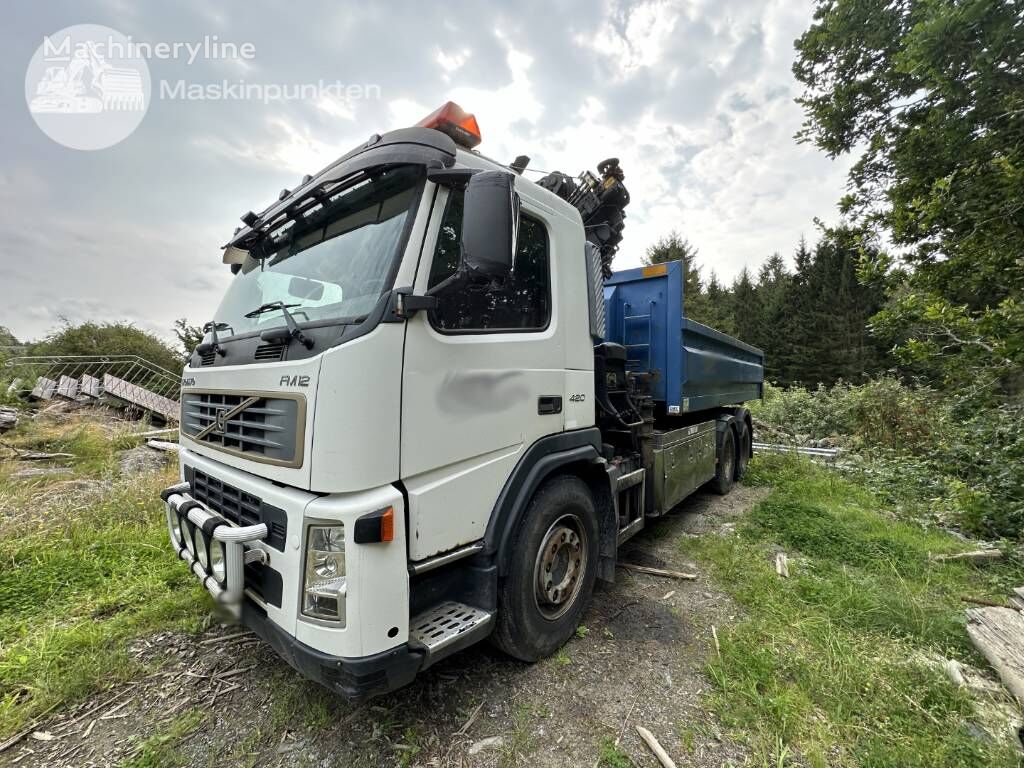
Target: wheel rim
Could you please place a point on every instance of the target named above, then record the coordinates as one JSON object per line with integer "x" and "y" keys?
{"x": 560, "y": 566}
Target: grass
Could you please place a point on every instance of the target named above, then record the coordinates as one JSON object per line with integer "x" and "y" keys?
{"x": 80, "y": 577}
{"x": 831, "y": 664}
{"x": 611, "y": 756}
{"x": 160, "y": 749}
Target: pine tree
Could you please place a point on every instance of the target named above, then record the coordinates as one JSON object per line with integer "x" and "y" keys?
{"x": 675, "y": 247}
{"x": 719, "y": 311}
{"x": 746, "y": 309}
{"x": 774, "y": 286}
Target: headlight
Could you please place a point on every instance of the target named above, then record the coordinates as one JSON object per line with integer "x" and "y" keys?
{"x": 172, "y": 518}
{"x": 186, "y": 535}
{"x": 217, "y": 567}
{"x": 324, "y": 587}
{"x": 202, "y": 547}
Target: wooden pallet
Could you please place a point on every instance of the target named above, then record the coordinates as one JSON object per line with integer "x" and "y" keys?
{"x": 67, "y": 387}
{"x": 141, "y": 397}
{"x": 90, "y": 386}
{"x": 44, "y": 389}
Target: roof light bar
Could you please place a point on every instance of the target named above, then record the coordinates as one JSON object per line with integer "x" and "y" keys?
{"x": 454, "y": 121}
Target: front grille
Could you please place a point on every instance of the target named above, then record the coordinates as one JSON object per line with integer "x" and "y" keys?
{"x": 237, "y": 506}
{"x": 270, "y": 429}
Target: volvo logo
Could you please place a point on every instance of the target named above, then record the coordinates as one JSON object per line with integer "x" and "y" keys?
{"x": 219, "y": 425}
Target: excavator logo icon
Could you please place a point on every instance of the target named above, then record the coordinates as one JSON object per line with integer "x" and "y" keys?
{"x": 88, "y": 84}
{"x": 84, "y": 88}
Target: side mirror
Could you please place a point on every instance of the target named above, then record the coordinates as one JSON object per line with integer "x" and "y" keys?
{"x": 490, "y": 224}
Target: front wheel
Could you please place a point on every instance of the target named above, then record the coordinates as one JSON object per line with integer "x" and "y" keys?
{"x": 552, "y": 570}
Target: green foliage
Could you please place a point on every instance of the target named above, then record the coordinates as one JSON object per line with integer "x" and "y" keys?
{"x": 72, "y": 599}
{"x": 189, "y": 336}
{"x": 881, "y": 412}
{"x": 831, "y": 663}
{"x": 7, "y": 339}
{"x": 931, "y": 93}
{"x": 108, "y": 339}
{"x": 935, "y": 456}
{"x": 76, "y": 588}
{"x": 611, "y": 756}
{"x": 981, "y": 351}
{"x": 9, "y": 347}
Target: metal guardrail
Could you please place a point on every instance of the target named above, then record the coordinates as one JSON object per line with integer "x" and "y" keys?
{"x": 828, "y": 454}
{"x": 130, "y": 368}
{"x": 130, "y": 378}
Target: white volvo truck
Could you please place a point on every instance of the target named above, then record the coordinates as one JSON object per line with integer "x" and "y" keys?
{"x": 427, "y": 412}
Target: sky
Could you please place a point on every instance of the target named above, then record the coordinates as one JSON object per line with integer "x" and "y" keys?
{"x": 695, "y": 97}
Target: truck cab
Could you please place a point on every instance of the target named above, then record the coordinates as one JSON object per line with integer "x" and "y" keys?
{"x": 408, "y": 428}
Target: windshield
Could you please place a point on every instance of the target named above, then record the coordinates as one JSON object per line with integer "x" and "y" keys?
{"x": 332, "y": 264}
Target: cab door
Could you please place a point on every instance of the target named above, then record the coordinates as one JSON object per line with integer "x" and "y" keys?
{"x": 483, "y": 379}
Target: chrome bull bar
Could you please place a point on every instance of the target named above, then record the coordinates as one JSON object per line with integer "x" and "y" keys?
{"x": 210, "y": 530}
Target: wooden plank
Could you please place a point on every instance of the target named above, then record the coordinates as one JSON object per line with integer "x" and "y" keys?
{"x": 90, "y": 385}
{"x": 163, "y": 445}
{"x": 975, "y": 556}
{"x": 655, "y": 746}
{"x": 67, "y": 387}
{"x": 657, "y": 571}
{"x": 999, "y": 634}
{"x": 141, "y": 397}
{"x": 44, "y": 389}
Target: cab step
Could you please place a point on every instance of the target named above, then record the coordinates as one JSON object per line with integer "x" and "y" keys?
{"x": 448, "y": 627}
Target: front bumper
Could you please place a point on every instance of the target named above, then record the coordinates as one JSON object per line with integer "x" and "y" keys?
{"x": 366, "y": 654}
{"x": 357, "y": 678}
{"x": 216, "y": 531}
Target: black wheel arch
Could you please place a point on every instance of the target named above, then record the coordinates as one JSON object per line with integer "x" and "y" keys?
{"x": 578, "y": 453}
{"x": 735, "y": 418}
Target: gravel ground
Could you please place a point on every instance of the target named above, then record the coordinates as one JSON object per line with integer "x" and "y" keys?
{"x": 638, "y": 661}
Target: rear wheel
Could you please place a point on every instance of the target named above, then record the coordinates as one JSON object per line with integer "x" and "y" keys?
{"x": 725, "y": 469}
{"x": 743, "y": 450}
{"x": 551, "y": 571}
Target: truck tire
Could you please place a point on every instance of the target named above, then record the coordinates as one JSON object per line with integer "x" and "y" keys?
{"x": 743, "y": 449}
{"x": 552, "y": 568}
{"x": 725, "y": 466}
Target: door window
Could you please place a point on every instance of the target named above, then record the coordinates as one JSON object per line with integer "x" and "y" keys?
{"x": 521, "y": 302}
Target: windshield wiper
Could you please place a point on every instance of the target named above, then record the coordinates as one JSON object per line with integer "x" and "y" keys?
{"x": 291, "y": 329}
{"x": 214, "y": 343}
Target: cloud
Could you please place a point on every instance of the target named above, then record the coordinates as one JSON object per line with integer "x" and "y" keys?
{"x": 695, "y": 98}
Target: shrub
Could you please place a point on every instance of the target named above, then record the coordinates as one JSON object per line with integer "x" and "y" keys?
{"x": 108, "y": 339}
{"x": 937, "y": 455}
{"x": 881, "y": 412}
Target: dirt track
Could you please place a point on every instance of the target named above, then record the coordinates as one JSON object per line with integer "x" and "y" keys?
{"x": 639, "y": 660}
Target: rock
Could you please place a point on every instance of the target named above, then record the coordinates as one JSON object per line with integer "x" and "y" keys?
{"x": 140, "y": 459}
{"x": 491, "y": 742}
{"x": 8, "y": 418}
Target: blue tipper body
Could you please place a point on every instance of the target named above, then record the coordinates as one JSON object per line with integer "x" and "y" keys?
{"x": 693, "y": 367}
